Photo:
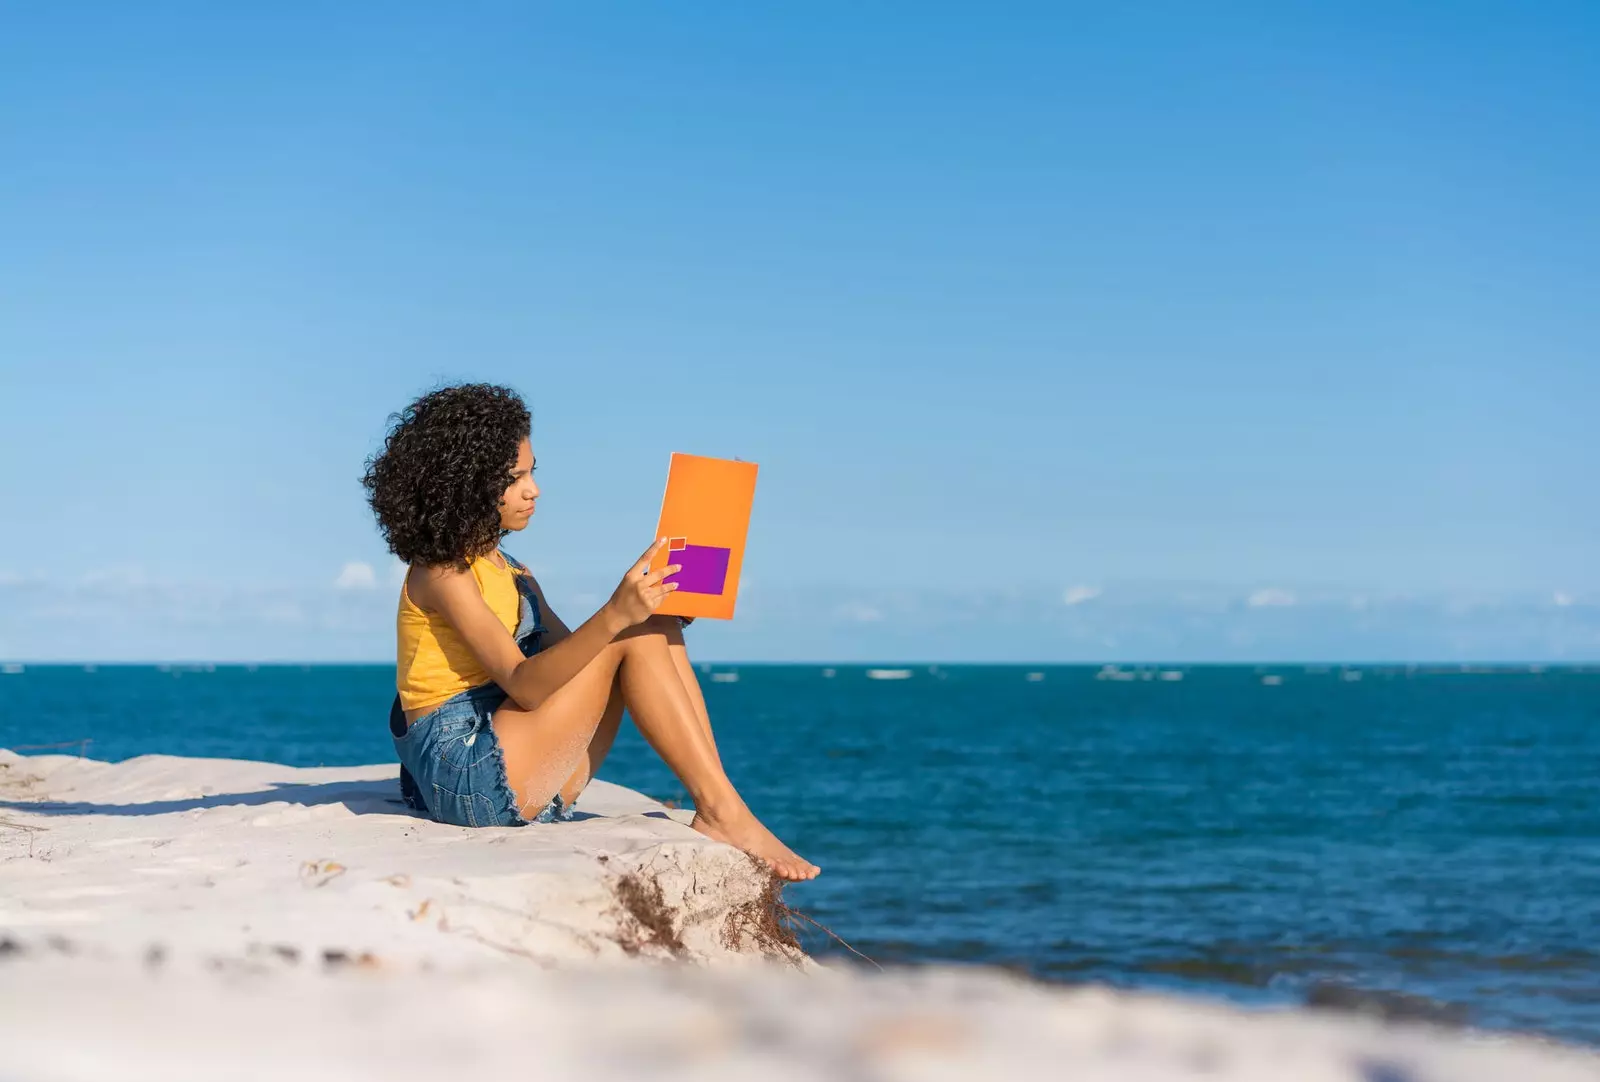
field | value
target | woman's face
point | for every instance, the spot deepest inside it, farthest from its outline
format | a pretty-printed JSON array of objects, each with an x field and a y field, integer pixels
[{"x": 516, "y": 506}]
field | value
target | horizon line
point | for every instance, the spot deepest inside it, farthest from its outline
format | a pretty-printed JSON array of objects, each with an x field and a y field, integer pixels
[{"x": 1504, "y": 663}]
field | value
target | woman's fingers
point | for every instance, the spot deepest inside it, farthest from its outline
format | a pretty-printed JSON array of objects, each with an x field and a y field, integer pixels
[
  {"x": 643, "y": 562},
  {"x": 642, "y": 591}
]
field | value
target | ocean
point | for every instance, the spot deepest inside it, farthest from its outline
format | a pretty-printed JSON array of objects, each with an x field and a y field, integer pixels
[{"x": 1260, "y": 834}]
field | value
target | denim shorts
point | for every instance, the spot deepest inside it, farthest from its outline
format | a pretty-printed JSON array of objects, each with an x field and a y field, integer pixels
[{"x": 457, "y": 769}]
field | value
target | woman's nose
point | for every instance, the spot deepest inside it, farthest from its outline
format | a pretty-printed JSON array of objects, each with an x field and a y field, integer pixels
[{"x": 533, "y": 489}]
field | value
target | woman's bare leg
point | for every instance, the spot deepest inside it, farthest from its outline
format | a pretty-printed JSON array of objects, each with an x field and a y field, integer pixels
[
  {"x": 691, "y": 682},
  {"x": 663, "y": 709},
  {"x": 544, "y": 748},
  {"x": 605, "y": 734}
]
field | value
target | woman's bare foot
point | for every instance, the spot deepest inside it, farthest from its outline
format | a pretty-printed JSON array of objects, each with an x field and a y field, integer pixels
[{"x": 741, "y": 829}]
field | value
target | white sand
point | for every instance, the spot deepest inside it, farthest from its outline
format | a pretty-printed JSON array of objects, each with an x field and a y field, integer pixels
[
  {"x": 169, "y": 918},
  {"x": 223, "y": 858}
]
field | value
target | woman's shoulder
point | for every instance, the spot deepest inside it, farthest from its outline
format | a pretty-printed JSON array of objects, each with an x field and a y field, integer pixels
[
  {"x": 424, "y": 584},
  {"x": 432, "y": 573}
]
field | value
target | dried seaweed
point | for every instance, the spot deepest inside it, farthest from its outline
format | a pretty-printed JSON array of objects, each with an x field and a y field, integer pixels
[{"x": 648, "y": 920}]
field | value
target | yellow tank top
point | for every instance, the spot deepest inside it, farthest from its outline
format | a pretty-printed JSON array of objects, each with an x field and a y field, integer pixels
[{"x": 433, "y": 661}]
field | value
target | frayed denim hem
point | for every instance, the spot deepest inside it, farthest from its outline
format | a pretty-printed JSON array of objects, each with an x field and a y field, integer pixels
[{"x": 557, "y": 811}]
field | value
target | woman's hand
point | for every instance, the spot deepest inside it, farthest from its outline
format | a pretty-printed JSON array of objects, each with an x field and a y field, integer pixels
[{"x": 641, "y": 590}]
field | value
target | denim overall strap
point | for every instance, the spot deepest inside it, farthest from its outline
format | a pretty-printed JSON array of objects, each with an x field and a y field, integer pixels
[{"x": 530, "y": 624}]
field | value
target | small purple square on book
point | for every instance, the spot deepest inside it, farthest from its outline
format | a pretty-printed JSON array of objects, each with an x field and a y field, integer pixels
[{"x": 705, "y": 569}]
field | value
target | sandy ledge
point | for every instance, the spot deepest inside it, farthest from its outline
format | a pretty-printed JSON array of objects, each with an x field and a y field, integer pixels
[
  {"x": 168, "y": 918},
  {"x": 226, "y": 859}
]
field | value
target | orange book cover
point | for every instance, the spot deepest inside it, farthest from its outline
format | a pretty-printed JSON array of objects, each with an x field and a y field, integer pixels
[{"x": 705, "y": 515}]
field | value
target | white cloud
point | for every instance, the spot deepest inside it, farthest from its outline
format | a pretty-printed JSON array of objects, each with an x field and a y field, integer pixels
[
  {"x": 1077, "y": 595},
  {"x": 1271, "y": 599},
  {"x": 356, "y": 575},
  {"x": 1562, "y": 600},
  {"x": 858, "y": 612},
  {"x": 228, "y": 618}
]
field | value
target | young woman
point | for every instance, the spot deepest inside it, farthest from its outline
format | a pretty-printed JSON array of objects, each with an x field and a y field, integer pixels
[{"x": 503, "y": 713}]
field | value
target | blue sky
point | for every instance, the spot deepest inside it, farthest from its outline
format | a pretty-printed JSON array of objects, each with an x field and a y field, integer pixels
[{"x": 1061, "y": 332}]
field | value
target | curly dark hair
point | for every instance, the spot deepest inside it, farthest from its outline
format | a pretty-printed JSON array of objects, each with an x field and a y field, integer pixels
[{"x": 445, "y": 464}]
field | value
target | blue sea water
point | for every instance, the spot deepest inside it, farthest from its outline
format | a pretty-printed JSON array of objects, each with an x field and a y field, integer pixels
[{"x": 1234, "y": 831}]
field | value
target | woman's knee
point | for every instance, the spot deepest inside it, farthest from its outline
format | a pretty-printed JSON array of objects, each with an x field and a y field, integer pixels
[
  {"x": 670, "y": 626},
  {"x": 657, "y": 626}
]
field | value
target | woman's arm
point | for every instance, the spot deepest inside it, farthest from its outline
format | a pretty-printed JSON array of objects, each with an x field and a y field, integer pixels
[{"x": 455, "y": 595}]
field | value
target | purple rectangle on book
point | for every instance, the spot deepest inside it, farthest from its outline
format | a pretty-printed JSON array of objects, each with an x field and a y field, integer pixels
[{"x": 705, "y": 569}]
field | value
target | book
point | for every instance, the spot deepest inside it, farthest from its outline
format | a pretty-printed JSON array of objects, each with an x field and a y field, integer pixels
[{"x": 705, "y": 517}]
